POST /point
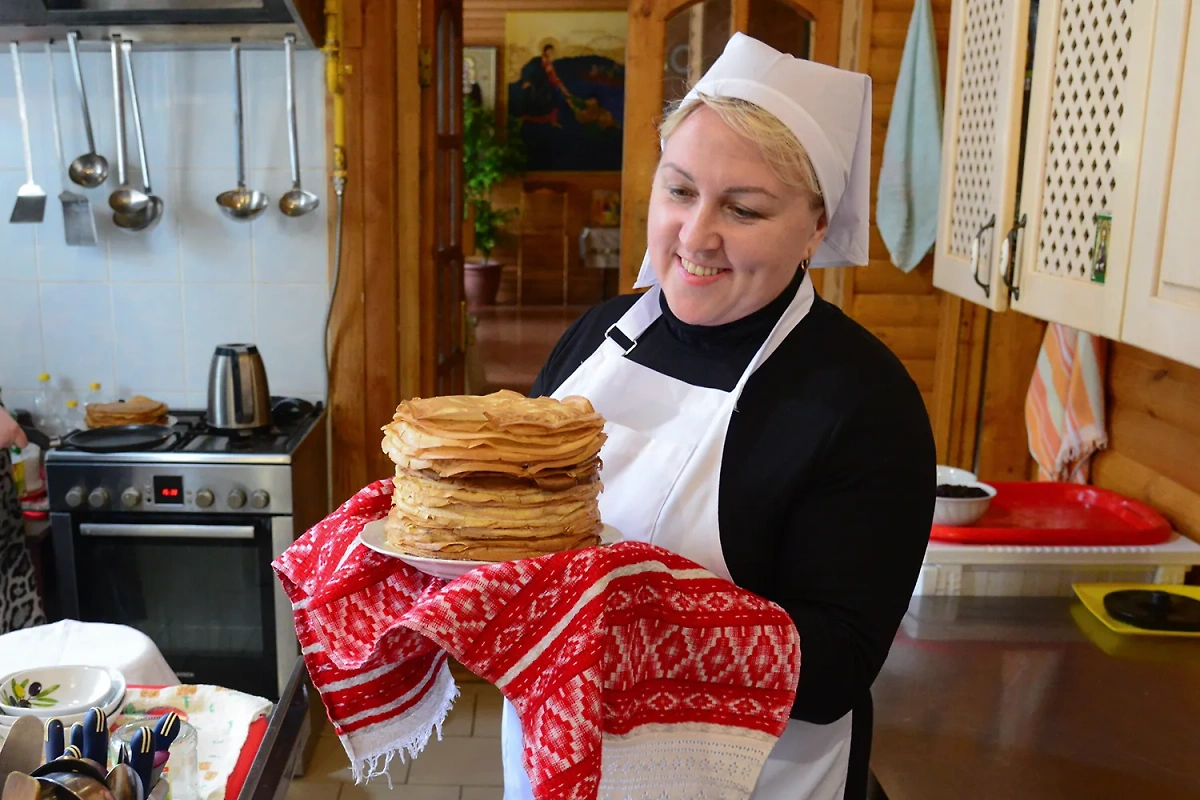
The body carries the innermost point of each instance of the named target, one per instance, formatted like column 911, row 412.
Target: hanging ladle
column 149, row 216
column 90, row 169
column 126, row 202
column 241, row 203
column 296, row 202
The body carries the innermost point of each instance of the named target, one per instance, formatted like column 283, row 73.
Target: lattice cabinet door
column 1087, row 114
column 1162, row 298
column 981, row 140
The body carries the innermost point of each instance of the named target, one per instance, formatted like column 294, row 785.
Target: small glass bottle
column 45, row 407
column 73, row 419
column 94, row 396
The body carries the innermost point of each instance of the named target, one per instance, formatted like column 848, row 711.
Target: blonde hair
column 783, row 152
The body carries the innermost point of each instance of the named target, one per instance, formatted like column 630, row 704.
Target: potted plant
column 487, row 161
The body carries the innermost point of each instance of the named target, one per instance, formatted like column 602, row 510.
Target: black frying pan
column 115, row 439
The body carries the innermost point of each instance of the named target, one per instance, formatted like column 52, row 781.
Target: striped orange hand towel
column 1064, row 408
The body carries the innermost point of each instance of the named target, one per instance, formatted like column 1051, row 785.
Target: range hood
column 181, row 23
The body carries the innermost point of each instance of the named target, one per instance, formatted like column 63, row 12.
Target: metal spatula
column 79, row 224
column 31, row 199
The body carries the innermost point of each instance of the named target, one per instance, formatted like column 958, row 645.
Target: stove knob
column 98, row 498
column 260, row 498
column 236, row 499
column 131, row 498
column 75, row 497
column 204, row 498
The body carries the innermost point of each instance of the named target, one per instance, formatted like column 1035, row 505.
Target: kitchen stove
column 177, row 540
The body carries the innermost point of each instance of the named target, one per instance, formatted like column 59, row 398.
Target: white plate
column 375, row 537
column 110, row 705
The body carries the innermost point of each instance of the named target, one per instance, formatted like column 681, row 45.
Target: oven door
column 200, row 587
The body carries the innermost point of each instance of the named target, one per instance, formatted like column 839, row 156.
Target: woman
column 754, row 428
column 19, row 603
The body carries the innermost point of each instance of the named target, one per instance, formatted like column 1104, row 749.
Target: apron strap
column 625, row 332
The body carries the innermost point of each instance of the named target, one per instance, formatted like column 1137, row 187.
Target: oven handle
column 168, row 531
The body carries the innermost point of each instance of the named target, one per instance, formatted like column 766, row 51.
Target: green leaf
column 51, row 690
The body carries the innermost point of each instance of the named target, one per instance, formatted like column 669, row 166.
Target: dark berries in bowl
column 957, row 491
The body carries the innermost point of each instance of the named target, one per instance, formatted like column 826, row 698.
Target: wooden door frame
column 375, row 332
column 644, row 50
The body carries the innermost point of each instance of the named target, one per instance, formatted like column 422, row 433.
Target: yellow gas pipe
column 333, row 80
column 334, row 72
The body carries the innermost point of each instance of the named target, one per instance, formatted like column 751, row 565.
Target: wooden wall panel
column 543, row 282
column 1154, row 435
column 901, row 309
column 483, row 26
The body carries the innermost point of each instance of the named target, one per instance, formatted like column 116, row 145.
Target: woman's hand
column 10, row 431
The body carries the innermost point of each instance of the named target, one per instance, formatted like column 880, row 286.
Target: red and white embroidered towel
column 634, row 671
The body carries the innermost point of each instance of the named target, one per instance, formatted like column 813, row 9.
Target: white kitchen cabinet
column 1162, row 298
column 980, row 146
column 1106, row 240
column 1087, row 114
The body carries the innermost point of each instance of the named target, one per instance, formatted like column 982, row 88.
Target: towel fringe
column 367, row 766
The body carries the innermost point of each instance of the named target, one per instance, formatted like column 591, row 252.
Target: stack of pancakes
column 136, row 410
column 495, row 477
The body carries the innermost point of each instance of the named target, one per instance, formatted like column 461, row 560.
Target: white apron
column 662, row 469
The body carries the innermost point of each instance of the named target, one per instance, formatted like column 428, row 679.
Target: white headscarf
column 829, row 111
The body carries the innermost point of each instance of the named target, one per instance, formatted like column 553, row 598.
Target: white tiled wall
column 142, row 312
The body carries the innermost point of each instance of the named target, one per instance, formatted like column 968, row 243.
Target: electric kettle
column 238, row 397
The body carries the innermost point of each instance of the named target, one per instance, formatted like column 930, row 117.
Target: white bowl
column 955, row 476
column 54, row 691
column 110, row 707
column 959, row 511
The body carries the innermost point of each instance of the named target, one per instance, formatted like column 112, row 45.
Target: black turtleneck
column 826, row 486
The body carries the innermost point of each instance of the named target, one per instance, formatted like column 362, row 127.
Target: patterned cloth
column 221, row 717
column 20, row 606
column 635, row 672
column 1064, row 408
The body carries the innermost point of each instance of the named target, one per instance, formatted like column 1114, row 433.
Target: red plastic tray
column 1060, row 514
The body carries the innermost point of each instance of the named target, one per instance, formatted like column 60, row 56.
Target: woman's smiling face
column 725, row 233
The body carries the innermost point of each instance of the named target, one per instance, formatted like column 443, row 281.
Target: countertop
column 1033, row 698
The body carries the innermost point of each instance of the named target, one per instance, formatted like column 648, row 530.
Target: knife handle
column 55, row 739
column 72, row 751
column 166, row 730
column 76, row 736
column 141, row 755
column 95, row 736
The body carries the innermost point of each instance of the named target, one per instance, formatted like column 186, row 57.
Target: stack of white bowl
column 64, row 693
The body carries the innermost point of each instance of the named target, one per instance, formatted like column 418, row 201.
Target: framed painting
column 479, row 75
column 565, row 77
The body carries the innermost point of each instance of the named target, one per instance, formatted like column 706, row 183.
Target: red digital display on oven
column 168, row 489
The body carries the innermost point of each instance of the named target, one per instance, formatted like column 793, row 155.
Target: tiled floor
column 513, row 343
column 464, row 765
